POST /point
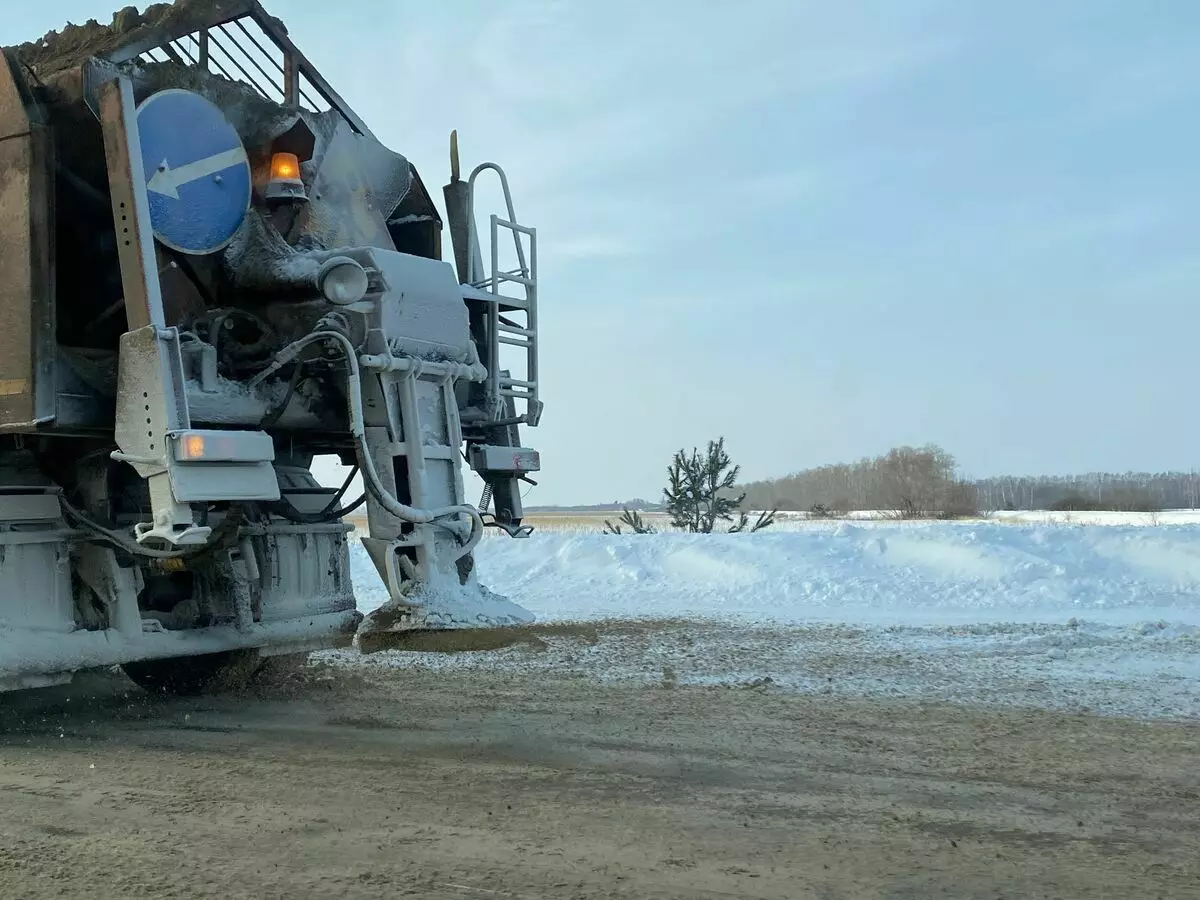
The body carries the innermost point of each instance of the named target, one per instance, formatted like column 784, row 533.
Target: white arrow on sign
column 168, row 181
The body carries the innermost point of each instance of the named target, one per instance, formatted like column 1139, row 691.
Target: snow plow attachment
column 442, row 622
column 460, row 392
column 445, row 614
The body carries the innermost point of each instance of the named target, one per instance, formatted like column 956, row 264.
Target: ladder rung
column 519, row 395
column 515, row 342
column 514, row 382
column 513, row 226
column 515, row 329
column 477, row 292
column 515, row 278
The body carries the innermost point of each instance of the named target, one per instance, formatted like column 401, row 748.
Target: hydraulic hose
column 371, row 479
column 330, row 512
column 217, row 540
column 114, row 538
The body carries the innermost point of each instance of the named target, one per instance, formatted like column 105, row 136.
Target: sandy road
column 470, row 786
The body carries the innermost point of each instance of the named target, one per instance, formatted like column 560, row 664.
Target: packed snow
column 1100, row 617
column 938, row 573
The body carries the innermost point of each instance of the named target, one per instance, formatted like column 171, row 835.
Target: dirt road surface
column 488, row 787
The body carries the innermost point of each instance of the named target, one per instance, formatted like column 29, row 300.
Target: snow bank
column 940, row 573
column 1095, row 617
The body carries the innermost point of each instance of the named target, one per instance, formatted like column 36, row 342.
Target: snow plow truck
column 212, row 273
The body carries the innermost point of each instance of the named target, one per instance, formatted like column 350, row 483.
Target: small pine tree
column 699, row 490
column 765, row 520
column 633, row 519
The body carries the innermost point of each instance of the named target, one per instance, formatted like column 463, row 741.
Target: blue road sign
column 197, row 173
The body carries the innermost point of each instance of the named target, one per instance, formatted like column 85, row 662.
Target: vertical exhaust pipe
column 458, row 214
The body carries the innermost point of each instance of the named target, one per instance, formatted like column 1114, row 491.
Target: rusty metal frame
column 156, row 37
column 27, row 248
column 150, row 381
column 131, row 207
column 295, row 63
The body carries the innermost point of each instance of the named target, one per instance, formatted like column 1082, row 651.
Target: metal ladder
column 502, row 330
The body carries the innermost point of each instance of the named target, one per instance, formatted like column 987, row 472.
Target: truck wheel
column 191, row 675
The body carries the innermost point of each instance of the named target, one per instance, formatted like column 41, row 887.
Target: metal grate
column 245, row 45
column 234, row 51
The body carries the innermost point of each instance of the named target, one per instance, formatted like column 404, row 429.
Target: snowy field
column 1102, row 617
column 586, row 523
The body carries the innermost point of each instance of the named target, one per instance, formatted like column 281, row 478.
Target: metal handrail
column 294, row 68
column 472, row 236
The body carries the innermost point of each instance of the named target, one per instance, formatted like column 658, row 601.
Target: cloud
column 1124, row 77
column 778, row 187
column 594, row 246
column 1091, row 227
column 602, row 113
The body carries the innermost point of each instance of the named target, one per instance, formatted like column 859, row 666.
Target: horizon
column 804, row 226
column 1052, row 481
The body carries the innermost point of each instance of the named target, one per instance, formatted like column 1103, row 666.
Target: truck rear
column 211, row 274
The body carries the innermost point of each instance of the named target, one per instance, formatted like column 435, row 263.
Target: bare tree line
column 925, row 481
column 914, row 482
column 1129, row 491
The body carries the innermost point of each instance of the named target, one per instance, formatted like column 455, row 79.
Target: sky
column 818, row 229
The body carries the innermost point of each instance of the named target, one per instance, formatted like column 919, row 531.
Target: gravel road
column 372, row 783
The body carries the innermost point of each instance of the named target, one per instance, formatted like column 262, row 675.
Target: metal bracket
column 399, row 573
column 151, row 406
column 513, row 531
column 151, row 401
column 117, row 588
column 131, row 206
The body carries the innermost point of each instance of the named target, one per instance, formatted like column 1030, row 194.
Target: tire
column 190, row 676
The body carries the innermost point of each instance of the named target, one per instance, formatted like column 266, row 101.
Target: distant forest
column 924, row 481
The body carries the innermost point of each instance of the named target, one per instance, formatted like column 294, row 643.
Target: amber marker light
column 285, row 183
column 193, row 446
column 285, row 167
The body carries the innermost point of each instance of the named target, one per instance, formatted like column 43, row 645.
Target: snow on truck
column 211, row 273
